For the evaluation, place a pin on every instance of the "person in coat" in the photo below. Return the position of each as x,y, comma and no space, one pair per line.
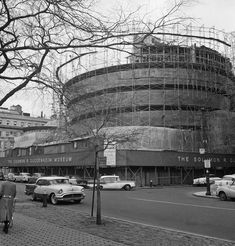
7,197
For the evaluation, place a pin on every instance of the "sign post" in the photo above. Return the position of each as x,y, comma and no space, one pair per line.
207,165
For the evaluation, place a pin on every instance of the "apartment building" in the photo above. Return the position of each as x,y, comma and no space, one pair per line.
13,122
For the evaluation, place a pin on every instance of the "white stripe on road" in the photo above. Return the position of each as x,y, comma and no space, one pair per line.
182,204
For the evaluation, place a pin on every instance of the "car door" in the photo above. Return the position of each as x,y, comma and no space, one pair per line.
231,190
42,187
106,183
110,183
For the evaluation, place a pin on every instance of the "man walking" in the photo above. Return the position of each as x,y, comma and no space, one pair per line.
7,197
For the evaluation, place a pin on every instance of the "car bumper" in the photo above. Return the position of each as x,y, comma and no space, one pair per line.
70,197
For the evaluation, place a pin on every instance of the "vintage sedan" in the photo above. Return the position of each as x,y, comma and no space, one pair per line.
22,177
11,176
56,189
226,180
202,180
113,182
78,181
225,192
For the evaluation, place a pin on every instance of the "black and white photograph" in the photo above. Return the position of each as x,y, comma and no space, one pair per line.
117,122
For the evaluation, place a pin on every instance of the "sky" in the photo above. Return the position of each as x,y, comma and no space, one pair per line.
210,13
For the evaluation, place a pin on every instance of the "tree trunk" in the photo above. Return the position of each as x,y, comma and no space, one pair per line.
98,206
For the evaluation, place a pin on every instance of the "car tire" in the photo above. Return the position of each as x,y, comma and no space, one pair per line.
222,196
127,187
53,199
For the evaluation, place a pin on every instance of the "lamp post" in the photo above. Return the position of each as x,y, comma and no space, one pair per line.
207,163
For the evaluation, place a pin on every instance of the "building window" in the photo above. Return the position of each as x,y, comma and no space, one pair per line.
29,124
15,123
7,134
22,124
0,122
8,122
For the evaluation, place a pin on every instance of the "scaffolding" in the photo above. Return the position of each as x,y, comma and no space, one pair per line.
179,80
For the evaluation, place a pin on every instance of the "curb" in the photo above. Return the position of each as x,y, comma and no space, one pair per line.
203,194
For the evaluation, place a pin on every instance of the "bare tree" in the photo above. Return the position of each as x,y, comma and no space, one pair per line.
38,36
97,118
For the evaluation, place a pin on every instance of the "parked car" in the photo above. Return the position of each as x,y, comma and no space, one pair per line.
226,179
33,178
227,191
78,181
56,188
22,177
202,180
113,182
11,176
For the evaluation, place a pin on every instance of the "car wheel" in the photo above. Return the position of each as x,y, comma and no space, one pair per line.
101,187
222,196
127,187
53,199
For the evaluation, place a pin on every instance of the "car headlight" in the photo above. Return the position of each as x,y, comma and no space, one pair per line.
60,191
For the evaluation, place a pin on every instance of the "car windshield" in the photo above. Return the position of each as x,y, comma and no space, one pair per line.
59,181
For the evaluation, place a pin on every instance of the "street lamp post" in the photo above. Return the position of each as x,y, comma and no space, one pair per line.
207,166
207,163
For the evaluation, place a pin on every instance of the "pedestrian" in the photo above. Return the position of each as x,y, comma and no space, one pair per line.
7,198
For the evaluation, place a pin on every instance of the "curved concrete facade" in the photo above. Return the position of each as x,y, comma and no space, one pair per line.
181,95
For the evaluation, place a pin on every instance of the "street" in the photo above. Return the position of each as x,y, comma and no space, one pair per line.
171,207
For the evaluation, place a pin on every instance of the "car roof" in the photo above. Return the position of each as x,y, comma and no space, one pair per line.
104,176
52,177
229,176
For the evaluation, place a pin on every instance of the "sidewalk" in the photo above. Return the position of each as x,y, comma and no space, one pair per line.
29,231
35,225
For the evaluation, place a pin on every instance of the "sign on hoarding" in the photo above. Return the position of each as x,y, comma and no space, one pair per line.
110,155
207,163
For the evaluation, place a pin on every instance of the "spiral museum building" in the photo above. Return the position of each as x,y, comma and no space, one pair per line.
181,97
177,89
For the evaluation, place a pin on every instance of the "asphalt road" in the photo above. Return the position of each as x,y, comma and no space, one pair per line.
170,207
